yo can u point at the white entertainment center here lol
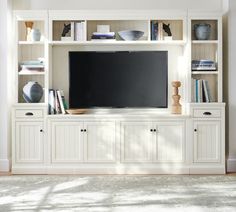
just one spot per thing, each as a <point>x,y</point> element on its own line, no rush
<point>119,141</point>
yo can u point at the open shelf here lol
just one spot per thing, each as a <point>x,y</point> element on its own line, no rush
<point>204,72</point>
<point>31,43</point>
<point>173,42</point>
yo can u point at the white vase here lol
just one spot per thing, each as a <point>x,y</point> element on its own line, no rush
<point>35,35</point>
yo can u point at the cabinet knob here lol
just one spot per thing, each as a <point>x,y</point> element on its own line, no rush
<point>85,130</point>
<point>154,130</point>
<point>151,130</point>
<point>195,130</point>
<point>41,130</point>
<point>81,130</point>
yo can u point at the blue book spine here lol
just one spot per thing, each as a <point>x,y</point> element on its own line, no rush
<point>152,30</point>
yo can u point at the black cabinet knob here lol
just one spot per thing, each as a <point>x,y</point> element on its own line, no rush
<point>29,114</point>
<point>41,130</point>
<point>85,130</point>
<point>154,130</point>
<point>151,130</point>
<point>81,130</point>
<point>195,130</point>
<point>207,113</point>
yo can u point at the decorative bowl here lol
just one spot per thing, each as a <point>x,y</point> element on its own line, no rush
<point>202,31</point>
<point>130,34</point>
<point>32,92</point>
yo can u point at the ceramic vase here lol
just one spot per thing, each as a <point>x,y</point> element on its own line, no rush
<point>32,92</point>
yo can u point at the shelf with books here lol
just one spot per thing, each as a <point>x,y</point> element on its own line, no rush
<point>166,30</point>
<point>69,30</point>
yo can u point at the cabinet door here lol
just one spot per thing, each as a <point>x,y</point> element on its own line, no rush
<point>136,141</point>
<point>29,142</point>
<point>67,141</point>
<point>207,141</point>
<point>100,142</point>
<point>170,142</point>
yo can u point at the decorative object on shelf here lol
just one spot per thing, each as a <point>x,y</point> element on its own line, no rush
<point>80,31</point>
<point>131,35</point>
<point>32,92</point>
<point>166,28</point>
<point>103,28</point>
<point>176,106</point>
<point>68,28</point>
<point>29,26</point>
<point>202,31</point>
<point>35,35</point>
<point>203,65</point>
<point>76,111</point>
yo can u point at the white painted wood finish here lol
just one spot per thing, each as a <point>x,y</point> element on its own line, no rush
<point>29,142</point>
<point>100,141</point>
<point>207,145</point>
<point>67,142</point>
<point>170,142</point>
<point>119,141</point>
<point>136,141</point>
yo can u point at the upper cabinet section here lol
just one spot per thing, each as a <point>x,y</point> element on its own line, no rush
<point>117,27</point>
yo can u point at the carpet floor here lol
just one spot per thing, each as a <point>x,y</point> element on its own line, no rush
<point>118,193</point>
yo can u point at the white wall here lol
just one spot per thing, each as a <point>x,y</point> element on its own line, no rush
<point>230,78</point>
<point>121,4</point>
<point>5,18</point>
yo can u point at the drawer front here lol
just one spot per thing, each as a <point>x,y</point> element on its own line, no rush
<point>23,113</point>
<point>207,113</point>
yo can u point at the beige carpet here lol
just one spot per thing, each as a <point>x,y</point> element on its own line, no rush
<point>118,193</point>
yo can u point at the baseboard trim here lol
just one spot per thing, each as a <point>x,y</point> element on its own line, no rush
<point>231,165</point>
<point>5,165</point>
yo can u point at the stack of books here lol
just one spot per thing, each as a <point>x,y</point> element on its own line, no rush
<point>203,65</point>
<point>103,36</point>
<point>57,102</point>
<point>31,66</point>
<point>201,91</point>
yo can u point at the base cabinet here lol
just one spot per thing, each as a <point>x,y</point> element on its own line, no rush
<point>153,141</point>
<point>29,140</point>
<point>82,142</point>
<point>207,145</point>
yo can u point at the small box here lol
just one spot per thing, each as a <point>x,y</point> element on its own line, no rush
<point>103,28</point>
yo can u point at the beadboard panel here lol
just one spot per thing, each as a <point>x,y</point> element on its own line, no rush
<point>100,141</point>
<point>67,142</point>
<point>29,142</point>
<point>170,142</point>
<point>136,141</point>
<point>207,141</point>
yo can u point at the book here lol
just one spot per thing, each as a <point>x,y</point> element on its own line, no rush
<point>208,91</point>
<point>63,100</point>
<point>51,104</point>
<point>205,91</point>
<point>196,89</point>
<point>61,105</point>
<point>72,30</point>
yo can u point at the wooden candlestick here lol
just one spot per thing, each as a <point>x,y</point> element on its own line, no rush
<point>176,106</point>
<point>29,26</point>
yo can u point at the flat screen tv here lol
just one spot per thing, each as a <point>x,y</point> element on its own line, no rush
<point>118,79</point>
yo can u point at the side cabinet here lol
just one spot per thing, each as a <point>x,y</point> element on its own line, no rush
<point>207,142</point>
<point>67,142</point>
<point>29,142</point>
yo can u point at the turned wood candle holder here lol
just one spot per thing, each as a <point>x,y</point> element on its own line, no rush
<point>176,106</point>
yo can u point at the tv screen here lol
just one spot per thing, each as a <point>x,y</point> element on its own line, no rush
<point>118,79</point>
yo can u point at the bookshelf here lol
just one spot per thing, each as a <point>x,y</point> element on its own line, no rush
<point>30,50</point>
<point>210,49</point>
